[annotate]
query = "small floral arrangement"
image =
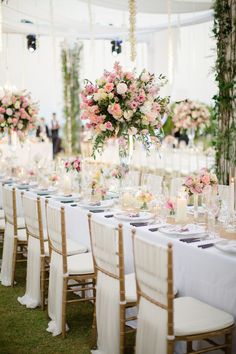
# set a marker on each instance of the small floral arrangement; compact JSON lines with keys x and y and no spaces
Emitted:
{"x":170,"y":206}
{"x":54,"y":178}
{"x":17,"y":112}
{"x":200,"y":183}
{"x":190,"y":114}
{"x":73,"y":165}
{"x":97,"y":190}
{"x":120,"y":171}
{"x":122,"y":104}
{"x":144,"y":198}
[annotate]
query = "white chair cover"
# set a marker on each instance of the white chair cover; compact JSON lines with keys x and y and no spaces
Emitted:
{"x":8,"y":246}
{"x":151,"y":271}
{"x":32,"y":295}
{"x":53,"y":216}
{"x":105,"y":250}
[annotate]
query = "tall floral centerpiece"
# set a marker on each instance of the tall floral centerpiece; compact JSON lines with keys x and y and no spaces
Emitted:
{"x":189,"y":116}
{"x":199,"y":184}
{"x":73,"y":169}
{"x":18,"y":113}
{"x":122,"y":105}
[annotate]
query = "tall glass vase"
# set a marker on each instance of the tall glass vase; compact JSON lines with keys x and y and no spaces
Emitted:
{"x":195,"y":207}
{"x":191,"y":136}
{"x":125,"y":156}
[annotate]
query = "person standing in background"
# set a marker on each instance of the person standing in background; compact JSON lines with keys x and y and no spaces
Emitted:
{"x":42,"y":131}
{"x":55,"y":134}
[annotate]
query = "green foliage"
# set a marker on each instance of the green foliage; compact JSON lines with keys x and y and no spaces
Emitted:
{"x":71,"y":69}
{"x":225,"y":74}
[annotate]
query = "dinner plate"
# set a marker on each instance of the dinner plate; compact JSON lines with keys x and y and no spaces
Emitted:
{"x":187,"y":230}
{"x":228,"y":246}
{"x":66,"y":198}
{"x":102,"y":205}
{"x":25,"y":185}
{"x":44,"y":191}
{"x":134,"y":217}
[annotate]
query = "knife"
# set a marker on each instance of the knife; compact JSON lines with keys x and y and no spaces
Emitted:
{"x":207,"y":245}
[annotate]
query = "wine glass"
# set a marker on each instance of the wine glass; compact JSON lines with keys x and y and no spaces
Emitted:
{"x":214,"y":205}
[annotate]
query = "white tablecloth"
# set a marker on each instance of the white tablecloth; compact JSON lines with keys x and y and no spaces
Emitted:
{"x":206,"y":274}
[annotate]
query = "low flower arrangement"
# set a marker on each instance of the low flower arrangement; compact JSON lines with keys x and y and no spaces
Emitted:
{"x":73,"y":165}
{"x":17,"y":112}
{"x":98,"y":192}
{"x":120,"y":104}
{"x":198,"y":184}
{"x":170,"y":206}
{"x":144,"y":198}
{"x":191,"y":114}
{"x":119,"y":172}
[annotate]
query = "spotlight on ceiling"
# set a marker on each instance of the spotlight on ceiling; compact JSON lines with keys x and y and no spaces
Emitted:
{"x":31,"y":42}
{"x":116,"y":47}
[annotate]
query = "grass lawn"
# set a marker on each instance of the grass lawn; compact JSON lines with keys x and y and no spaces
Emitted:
{"x":24,"y":330}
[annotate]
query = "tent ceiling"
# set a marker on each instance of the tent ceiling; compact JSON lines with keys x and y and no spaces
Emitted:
{"x":84,"y":21}
{"x":157,"y":6}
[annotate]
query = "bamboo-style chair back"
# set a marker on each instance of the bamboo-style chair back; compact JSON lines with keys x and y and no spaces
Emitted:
{"x":9,"y":206}
{"x":154,"y":277}
{"x":56,"y":231}
{"x":105,"y":247}
{"x":33,"y":218}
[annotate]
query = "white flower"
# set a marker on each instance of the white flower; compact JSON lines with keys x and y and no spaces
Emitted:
{"x":121,"y":88}
{"x":145,"y":77}
{"x":96,"y":96}
{"x":17,"y":105}
{"x":146,"y":107}
{"x":9,"y":112}
{"x":128,"y":114}
{"x":20,"y":126}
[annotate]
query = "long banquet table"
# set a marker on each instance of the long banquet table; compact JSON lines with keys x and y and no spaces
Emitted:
{"x":206,"y":274}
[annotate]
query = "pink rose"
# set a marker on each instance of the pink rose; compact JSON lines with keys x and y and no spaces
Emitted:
{"x":169,"y":204}
{"x":206,"y":179}
{"x":133,"y":105}
{"x":109,"y":126}
{"x":2,"y":110}
{"x":188,"y":181}
{"x":129,"y":75}
{"x":109,"y":87}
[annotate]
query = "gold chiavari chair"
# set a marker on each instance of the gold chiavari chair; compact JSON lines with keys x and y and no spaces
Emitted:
{"x":77,"y":266}
{"x":16,"y":225}
{"x":164,"y":320}
{"x":108,"y":254}
{"x":34,"y":230}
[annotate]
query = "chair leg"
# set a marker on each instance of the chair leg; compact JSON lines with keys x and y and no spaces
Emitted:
{"x":64,"y":300}
{"x":94,"y":328}
{"x":189,"y":347}
{"x":228,"y":341}
{"x":122,"y":329}
{"x":14,"y":262}
{"x":42,"y":283}
{"x":170,"y":347}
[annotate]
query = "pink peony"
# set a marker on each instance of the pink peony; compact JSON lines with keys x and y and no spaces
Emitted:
{"x":188,"y":181}
{"x":206,"y":179}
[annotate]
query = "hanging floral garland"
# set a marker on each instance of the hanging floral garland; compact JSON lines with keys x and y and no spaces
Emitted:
{"x":132,"y":28}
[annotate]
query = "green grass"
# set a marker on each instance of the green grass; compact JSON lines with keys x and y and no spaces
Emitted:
{"x":24,"y":330}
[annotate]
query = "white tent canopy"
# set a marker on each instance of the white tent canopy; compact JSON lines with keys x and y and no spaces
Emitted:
{"x":86,"y":19}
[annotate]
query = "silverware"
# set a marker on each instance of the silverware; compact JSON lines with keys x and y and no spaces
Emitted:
{"x":206,"y":245}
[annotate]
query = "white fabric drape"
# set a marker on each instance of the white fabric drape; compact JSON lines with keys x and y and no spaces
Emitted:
{"x":108,"y":315}
{"x":7,"y":256}
{"x":32,"y":295}
{"x":152,"y":329}
{"x":55,"y":294}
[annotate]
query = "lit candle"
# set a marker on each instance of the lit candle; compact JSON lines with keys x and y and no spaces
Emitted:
{"x":66,"y":185}
{"x":232,"y":195}
{"x":181,"y":209}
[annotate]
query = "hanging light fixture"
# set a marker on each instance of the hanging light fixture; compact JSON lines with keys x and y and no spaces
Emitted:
{"x":116,"y":47}
{"x":31,"y":43}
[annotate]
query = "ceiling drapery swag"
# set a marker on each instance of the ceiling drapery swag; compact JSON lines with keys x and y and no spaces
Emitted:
{"x":132,"y":28}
